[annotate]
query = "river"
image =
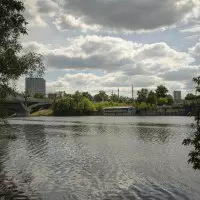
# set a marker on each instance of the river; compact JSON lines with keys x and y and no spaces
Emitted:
{"x":106,"y":158}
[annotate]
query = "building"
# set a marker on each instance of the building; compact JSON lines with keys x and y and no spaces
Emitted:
{"x":119,"y":111}
{"x":177,"y":95}
{"x":35,"y":86}
{"x":177,"y":99}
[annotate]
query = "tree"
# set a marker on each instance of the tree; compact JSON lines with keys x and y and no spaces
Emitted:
{"x":26,"y":96}
{"x":190,"y":96}
{"x":12,"y":61}
{"x":123,"y":99}
{"x":170,"y":99}
{"x":87,"y":95}
{"x":88,"y":106}
{"x":64,"y":106}
{"x":101,"y":96}
{"x":114,"y":98}
{"x":161,"y":91}
{"x":194,"y":140}
{"x":151,"y":99}
{"x":77,"y":97}
{"x":142,"y":95}
{"x":68,"y":106}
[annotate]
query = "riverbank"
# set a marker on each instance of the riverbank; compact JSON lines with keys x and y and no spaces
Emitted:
{"x":44,"y":113}
{"x":158,"y":112}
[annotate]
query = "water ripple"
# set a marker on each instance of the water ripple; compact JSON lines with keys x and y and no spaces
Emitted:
{"x":100,"y":158}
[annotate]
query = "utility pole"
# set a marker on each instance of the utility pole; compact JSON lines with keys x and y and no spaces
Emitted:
{"x":112,"y":96}
{"x":118,"y":93}
{"x":132,"y":92}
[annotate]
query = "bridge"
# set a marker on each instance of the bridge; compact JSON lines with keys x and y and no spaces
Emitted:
{"x":20,"y":106}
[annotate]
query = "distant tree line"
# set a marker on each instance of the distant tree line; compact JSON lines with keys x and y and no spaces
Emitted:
{"x":85,"y":103}
{"x":158,"y":97}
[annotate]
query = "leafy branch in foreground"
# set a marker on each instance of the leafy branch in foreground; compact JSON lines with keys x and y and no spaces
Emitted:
{"x":13,"y":62}
{"x":194,"y":140}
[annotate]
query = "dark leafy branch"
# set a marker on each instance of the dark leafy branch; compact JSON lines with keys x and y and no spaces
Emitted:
{"x":194,"y":140}
{"x":13,"y":63}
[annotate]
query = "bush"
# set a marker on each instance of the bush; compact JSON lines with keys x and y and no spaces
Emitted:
{"x":70,"y":106}
{"x":143,"y":105}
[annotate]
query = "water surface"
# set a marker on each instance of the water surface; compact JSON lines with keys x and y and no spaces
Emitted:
{"x":100,"y":158}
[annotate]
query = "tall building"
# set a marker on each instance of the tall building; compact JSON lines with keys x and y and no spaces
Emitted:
{"x":177,"y":95}
{"x":35,"y":85}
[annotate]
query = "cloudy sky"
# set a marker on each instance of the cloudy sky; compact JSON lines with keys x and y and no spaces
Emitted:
{"x":92,"y":45}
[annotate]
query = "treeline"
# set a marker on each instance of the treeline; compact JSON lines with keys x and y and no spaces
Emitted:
{"x":191,"y":100}
{"x":83,"y":103}
{"x":158,"y":97}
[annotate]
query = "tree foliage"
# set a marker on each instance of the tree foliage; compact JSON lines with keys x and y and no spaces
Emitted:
{"x":14,"y":63}
{"x":73,"y":106}
{"x":161,"y":91}
{"x":170,"y":99}
{"x":142,"y":95}
{"x":101,"y":96}
{"x":151,"y":99}
{"x":190,"y":96}
{"x":194,"y":140}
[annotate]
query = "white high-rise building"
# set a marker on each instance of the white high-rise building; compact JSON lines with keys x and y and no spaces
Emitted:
{"x":35,"y":86}
{"x":177,"y":95}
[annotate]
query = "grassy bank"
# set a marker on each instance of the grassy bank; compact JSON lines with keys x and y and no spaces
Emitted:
{"x":48,"y":112}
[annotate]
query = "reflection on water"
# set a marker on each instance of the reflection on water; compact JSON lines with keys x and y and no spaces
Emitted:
{"x":3,"y":153}
{"x":100,"y":158}
{"x":36,"y":143}
{"x":154,"y":133}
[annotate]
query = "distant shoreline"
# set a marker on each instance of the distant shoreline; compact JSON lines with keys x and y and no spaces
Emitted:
{"x":49,"y":113}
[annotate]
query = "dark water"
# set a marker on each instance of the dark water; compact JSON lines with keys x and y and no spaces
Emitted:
{"x":100,"y":158}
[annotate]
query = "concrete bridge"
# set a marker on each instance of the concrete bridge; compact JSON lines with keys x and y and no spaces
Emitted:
{"x":20,"y":106}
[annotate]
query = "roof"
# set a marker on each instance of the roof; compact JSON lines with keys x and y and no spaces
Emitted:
{"x":123,"y":107}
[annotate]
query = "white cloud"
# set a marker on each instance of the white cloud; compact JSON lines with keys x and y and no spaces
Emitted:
{"x":195,"y":50}
{"x":35,"y":47}
{"x":36,"y":10}
{"x":112,"y":81}
{"x":68,"y":22}
{"x":93,"y":83}
{"x":121,"y":62}
{"x":110,"y":54}
{"x":31,"y":13}
{"x":126,"y":15}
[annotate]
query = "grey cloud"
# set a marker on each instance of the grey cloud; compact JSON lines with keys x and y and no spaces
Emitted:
{"x":92,"y":62}
{"x":183,"y":74}
{"x":190,"y":85}
{"x":135,"y":69}
{"x":46,"y":6}
{"x":128,"y":15}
